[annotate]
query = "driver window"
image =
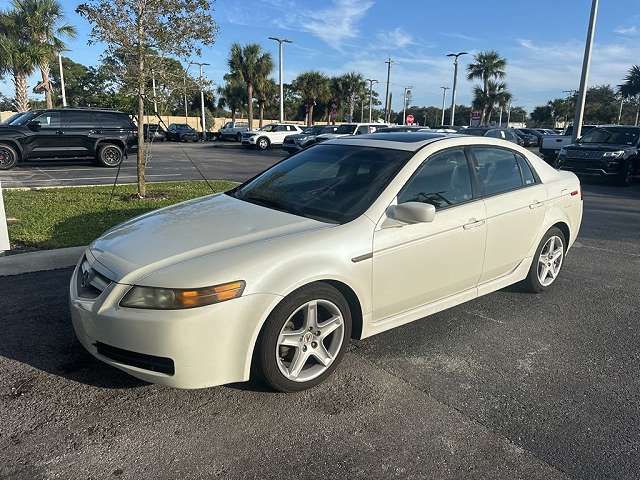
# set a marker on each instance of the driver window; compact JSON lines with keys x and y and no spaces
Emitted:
{"x":49,"y":120}
{"x":362,"y":129}
{"x":442,"y":180}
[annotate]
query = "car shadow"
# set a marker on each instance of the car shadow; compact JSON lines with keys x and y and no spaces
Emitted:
{"x":37,"y":331}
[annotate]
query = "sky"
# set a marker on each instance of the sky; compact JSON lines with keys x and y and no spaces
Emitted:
{"x":543,"y":41}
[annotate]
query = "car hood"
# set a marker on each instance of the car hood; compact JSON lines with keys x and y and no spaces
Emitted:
{"x":601,"y":147}
{"x":187,"y":230}
{"x":327,"y":136}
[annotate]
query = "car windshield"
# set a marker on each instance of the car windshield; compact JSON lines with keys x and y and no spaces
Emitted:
{"x":315,"y":130}
{"x":22,"y":118}
{"x":346,"y":128}
{"x":617,"y":136}
{"x":329,"y":129}
{"x":330,"y":183}
{"x":474,"y":131}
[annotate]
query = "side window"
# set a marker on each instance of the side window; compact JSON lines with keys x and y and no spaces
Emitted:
{"x":527,"y":173}
{"x":498,"y":170}
{"x":78,"y":119}
{"x":442,"y":180}
{"x":49,"y":120}
{"x":362,"y":129}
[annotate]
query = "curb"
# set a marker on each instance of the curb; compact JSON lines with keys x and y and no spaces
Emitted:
{"x":42,"y":260}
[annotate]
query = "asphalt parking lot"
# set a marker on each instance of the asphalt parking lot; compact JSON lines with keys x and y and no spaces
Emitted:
{"x":168,"y":161}
{"x":509,"y":386}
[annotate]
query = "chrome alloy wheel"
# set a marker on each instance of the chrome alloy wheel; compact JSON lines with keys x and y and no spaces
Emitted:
{"x":6,"y":157}
{"x":111,"y":155}
{"x":310,"y":340}
{"x":263,"y":144}
{"x":550,"y":260}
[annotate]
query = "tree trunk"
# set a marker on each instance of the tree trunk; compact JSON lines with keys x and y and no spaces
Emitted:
{"x":310,"y":118}
{"x":352,"y":106}
{"x":233,"y":115}
{"x":22,"y":98}
{"x":261,"y":110}
{"x":250,"y":104}
{"x":45,"y":70}
{"x":141,"y":160}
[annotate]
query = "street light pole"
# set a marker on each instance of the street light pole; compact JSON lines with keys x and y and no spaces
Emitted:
{"x":404,"y":104}
{"x":586,"y":62}
{"x":387,"y":107}
{"x":281,"y":41}
{"x":64,"y":93}
{"x":444,"y":95}
{"x":202,"y":118}
{"x":455,"y":81}
{"x":371,"y":82}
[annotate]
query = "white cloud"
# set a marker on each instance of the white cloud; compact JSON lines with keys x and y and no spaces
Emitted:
{"x":333,"y":25}
{"x":396,"y":38}
{"x":633,"y":30}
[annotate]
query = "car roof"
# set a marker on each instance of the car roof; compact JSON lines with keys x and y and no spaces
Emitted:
{"x":410,"y":141}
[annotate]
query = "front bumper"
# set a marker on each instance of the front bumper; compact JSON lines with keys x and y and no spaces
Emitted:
{"x":249,"y":140}
{"x":205,"y":346}
{"x":592,"y":168}
{"x":291,"y":147}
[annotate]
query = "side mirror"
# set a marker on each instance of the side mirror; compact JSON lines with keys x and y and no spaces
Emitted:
{"x":34,"y":125}
{"x":412,"y":212}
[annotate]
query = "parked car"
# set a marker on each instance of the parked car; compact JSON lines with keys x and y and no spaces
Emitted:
{"x":551,"y":144}
{"x":493,"y":132}
{"x":348,"y":129}
{"x":346,"y":239}
{"x":296,"y":142}
{"x":272,"y":134}
{"x":532,"y":132}
{"x":233,"y":131}
{"x":181,"y":132}
{"x":610,"y":152}
{"x":528,"y":140}
{"x":106,"y":136}
{"x":154,"y":133}
{"x":403,"y":128}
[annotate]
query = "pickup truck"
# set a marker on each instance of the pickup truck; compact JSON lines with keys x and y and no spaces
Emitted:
{"x":551,"y":144}
{"x":233,"y":131}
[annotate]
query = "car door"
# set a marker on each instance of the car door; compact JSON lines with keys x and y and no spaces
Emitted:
{"x":417,"y":264}
{"x":515,"y":202}
{"x":279,"y":132}
{"x":47,"y":141}
{"x":78,"y":130}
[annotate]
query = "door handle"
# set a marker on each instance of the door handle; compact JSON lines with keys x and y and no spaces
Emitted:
{"x":59,"y":132}
{"x":473,"y":223}
{"x":536,"y":204}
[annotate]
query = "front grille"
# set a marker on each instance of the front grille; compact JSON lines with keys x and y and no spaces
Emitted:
{"x":584,"y":154}
{"x":90,"y":283}
{"x":135,"y":359}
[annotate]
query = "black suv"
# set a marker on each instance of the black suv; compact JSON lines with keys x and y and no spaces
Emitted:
{"x":611,"y":152}
{"x":181,"y":132}
{"x":106,"y":136}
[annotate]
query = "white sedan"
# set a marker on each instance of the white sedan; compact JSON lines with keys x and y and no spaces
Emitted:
{"x":343,"y":240}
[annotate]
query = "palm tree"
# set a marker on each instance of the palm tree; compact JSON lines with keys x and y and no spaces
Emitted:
{"x":233,"y":95}
{"x":43,"y":23}
{"x":251,"y":64}
{"x":354,"y":87}
{"x":266,"y":95}
{"x":487,"y":66}
{"x":631,"y":87}
{"x":497,"y":95}
{"x":19,"y":55}
{"x":312,"y":87}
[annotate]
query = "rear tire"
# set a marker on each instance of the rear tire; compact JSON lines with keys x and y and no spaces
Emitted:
{"x":287,"y":340}
{"x":547,"y":262}
{"x":8,"y":157}
{"x":110,"y":155}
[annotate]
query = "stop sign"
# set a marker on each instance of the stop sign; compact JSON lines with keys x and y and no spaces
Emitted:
{"x":409,"y":119}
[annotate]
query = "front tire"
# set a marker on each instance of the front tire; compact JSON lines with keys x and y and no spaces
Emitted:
{"x":8,"y":157}
{"x":262,"y":143}
{"x":547,"y":261}
{"x":110,"y":155}
{"x":304,"y":339}
{"x":626,"y":175}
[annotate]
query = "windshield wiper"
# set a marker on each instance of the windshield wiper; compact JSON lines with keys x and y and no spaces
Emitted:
{"x":270,"y":203}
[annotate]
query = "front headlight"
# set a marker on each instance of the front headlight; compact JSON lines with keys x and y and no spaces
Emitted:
{"x":616,"y":154}
{"x":179,"y":298}
{"x":302,"y":139}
